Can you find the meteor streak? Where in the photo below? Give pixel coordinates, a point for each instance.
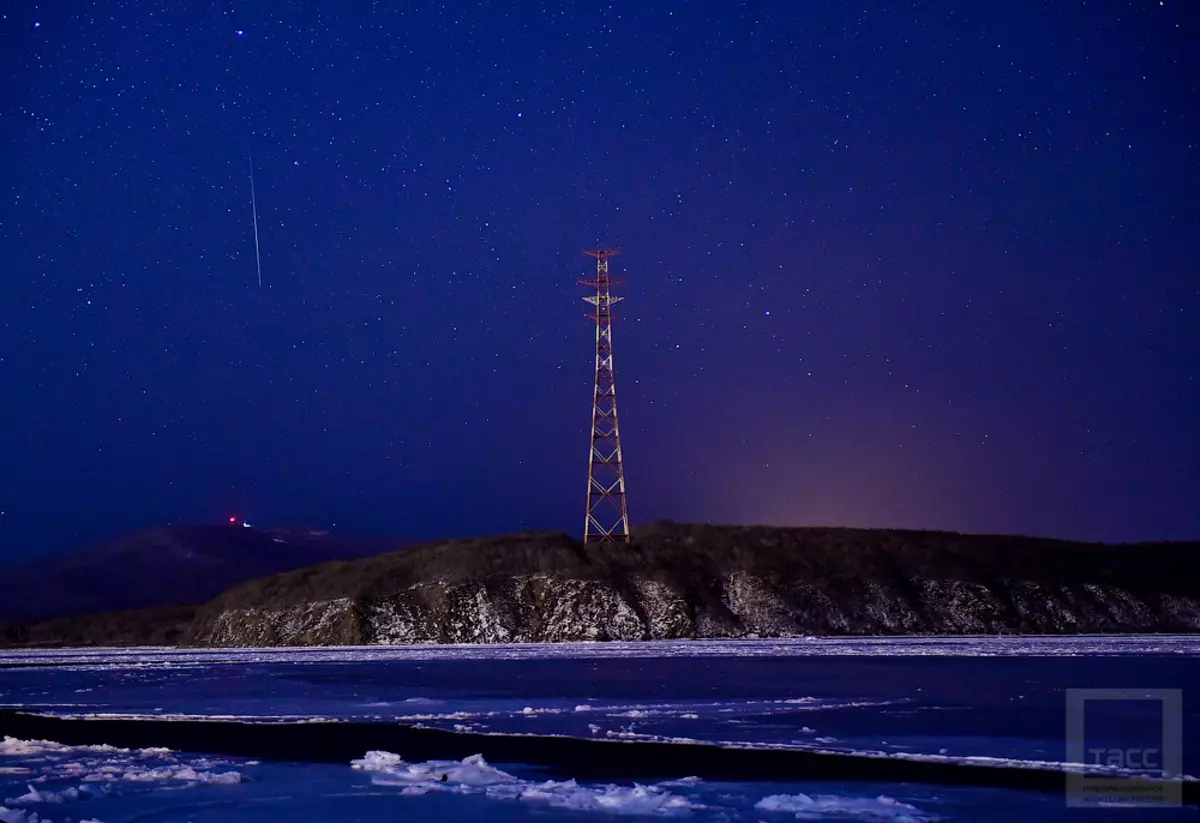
(254, 210)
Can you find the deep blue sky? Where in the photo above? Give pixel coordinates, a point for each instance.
(929, 265)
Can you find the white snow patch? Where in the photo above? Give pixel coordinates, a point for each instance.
(183, 773)
(84, 772)
(473, 775)
(36, 795)
(13, 746)
(20, 816)
(835, 807)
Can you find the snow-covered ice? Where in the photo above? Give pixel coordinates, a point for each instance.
(981, 701)
(826, 807)
(906, 646)
(100, 768)
(42, 780)
(65, 784)
(988, 699)
(473, 775)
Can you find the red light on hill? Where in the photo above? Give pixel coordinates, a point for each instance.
(233, 520)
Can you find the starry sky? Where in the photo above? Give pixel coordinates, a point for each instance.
(926, 264)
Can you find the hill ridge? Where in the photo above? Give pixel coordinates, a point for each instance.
(679, 580)
(676, 581)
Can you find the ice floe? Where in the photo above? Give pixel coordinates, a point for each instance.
(836, 807)
(55, 775)
(473, 775)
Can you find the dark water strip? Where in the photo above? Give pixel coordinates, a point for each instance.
(563, 757)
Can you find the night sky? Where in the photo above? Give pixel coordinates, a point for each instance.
(927, 265)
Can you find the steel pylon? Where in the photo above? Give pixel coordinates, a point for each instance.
(607, 515)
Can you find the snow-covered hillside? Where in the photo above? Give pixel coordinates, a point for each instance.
(544, 608)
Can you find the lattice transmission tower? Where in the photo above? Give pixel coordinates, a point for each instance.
(607, 516)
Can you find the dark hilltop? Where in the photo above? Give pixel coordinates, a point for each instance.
(165, 566)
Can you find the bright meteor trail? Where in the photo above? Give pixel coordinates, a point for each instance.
(254, 210)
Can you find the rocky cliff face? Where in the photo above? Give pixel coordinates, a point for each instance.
(672, 587)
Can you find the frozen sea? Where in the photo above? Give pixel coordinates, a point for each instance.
(992, 701)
